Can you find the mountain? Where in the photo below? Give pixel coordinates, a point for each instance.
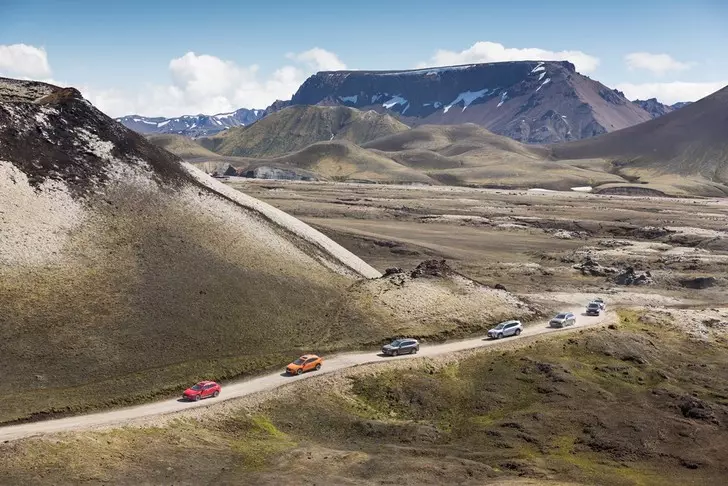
(684, 151)
(528, 101)
(191, 125)
(126, 274)
(296, 127)
(655, 108)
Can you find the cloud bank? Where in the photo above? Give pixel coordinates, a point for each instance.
(485, 51)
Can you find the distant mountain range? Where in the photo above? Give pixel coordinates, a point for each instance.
(655, 108)
(683, 152)
(191, 125)
(534, 102)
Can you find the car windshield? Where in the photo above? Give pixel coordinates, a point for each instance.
(197, 387)
(298, 361)
(594, 304)
(396, 343)
(500, 326)
(561, 316)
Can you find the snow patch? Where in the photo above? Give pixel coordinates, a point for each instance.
(540, 76)
(503, 99)
(582, 189)
(161, 124)
(539, 67)
(395, 100)
(467, 97)
(427, 71)
(349, 99)
(548, 80)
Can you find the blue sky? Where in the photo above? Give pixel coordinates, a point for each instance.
(122, 54)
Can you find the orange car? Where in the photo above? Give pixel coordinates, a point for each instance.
(307, 362)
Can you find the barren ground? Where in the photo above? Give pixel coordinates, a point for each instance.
(641, 402)
(528, 241)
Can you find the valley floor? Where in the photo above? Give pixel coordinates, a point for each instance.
(643, 400)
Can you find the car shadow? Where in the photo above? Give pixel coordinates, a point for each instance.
(286, 374)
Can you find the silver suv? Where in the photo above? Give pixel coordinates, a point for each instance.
(507, 328)
(401, 346)
(563, 319)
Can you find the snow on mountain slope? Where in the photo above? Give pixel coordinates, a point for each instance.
(191, 125)
(529, 101)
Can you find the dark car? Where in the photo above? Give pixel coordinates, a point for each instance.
(593, 309)
(401, 346)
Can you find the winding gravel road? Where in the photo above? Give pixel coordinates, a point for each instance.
(274, 380)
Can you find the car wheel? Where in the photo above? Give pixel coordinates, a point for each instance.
(518, 331)
(198, 398)
(318, 366)
(299, 371)
(214, 395)
(500, 335)
(414, 351)
(395, 353)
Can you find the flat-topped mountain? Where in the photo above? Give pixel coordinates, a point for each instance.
(529, 101)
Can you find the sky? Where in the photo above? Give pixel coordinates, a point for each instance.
(169, 58)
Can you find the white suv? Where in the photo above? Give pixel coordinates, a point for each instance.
(508, 328)
(563, 319)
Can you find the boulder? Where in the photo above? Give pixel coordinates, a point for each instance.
(591, 267)
(432, 268)
(631, 277)
(698, 282)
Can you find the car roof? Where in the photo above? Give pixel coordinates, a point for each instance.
(308, 356)
(207, 382)
(511, 321)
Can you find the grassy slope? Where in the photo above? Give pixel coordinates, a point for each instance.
(181, 146)
(123, 278)
(470, 155)
(686, 149)
(608, 407)
(297, 127)
(344, 161)
(139, 307)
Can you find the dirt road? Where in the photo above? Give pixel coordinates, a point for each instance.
(275, 380)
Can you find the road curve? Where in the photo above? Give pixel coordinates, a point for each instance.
(272, 381)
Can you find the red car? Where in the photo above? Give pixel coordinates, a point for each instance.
(203, 389)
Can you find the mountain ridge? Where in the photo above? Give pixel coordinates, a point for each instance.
(191, 125)
(529, 101)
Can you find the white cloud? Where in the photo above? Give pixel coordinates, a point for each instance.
(494, 52)
(318, 59)
(670, 93)
(21, 60)
(202, 83)
(658, 64)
